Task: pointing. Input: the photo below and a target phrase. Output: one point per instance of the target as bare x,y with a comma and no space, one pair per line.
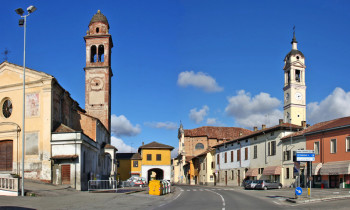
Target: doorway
6,151
333,181
239,178
225,178
65,174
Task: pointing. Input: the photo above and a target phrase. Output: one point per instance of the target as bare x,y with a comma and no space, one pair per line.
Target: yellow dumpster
155,187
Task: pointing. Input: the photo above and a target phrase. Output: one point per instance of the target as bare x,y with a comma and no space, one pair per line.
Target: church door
6,148
65,174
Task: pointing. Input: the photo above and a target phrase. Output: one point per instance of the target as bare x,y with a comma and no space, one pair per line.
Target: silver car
267,184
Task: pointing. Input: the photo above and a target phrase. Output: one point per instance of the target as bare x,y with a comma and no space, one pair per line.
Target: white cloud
198,116
251,111
199,80
121,146
174,153
336,105
164,125
214,121
121,126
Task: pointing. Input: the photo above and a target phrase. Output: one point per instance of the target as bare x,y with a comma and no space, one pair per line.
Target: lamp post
23,22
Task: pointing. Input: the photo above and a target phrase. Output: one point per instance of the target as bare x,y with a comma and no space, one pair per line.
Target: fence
9,186
102,185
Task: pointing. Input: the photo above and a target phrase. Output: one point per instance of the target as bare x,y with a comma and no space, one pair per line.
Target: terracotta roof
285,126
99,17
108,146
188,158
63,157
64,129
156,145
339,122
136,156
227,133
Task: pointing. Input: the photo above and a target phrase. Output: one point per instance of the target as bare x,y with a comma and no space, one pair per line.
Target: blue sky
190,61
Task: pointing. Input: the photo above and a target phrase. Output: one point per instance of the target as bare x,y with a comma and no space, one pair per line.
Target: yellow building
129,164
156,161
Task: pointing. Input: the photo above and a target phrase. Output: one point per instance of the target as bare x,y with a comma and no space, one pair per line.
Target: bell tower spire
98,70
294,85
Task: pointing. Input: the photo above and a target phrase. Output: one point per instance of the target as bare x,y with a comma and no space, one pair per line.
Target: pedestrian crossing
205,189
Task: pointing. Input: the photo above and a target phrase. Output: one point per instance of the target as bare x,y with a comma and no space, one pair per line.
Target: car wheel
265,188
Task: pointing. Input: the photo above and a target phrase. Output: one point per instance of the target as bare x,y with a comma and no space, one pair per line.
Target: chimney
143,143
255,128
303,124
280,121
263,127
240,133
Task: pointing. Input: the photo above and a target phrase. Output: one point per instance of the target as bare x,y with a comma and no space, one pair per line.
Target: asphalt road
203,198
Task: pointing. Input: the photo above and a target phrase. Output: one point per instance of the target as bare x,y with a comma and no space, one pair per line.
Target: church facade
64,144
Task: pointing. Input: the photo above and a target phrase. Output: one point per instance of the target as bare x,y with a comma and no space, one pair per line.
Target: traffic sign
298,191
305,156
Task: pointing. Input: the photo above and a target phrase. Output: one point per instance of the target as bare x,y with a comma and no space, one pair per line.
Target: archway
155,174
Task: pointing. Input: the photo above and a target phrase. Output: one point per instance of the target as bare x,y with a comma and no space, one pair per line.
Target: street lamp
23,22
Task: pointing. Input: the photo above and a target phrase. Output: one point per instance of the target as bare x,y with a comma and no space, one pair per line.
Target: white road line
222,198
276,203
172,199
181,189
194,190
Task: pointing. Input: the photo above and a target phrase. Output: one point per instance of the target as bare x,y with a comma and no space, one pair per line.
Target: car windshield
259,181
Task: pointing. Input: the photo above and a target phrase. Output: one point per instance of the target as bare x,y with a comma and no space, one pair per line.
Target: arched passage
155,174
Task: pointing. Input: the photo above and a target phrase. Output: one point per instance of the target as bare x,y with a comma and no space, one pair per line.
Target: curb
317,199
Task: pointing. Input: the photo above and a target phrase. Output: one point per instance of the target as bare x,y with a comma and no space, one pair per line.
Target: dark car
246,183
251,185
267,184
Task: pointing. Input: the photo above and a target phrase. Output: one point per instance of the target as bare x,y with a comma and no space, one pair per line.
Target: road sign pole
309,178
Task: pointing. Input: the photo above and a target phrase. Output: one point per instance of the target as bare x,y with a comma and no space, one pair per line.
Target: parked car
246,183
136,181
251,185
267,184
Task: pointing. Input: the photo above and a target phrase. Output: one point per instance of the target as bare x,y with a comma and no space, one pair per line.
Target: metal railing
9,184
102,185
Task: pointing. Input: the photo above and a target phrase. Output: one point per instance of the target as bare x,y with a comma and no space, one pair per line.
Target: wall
124,169
165,157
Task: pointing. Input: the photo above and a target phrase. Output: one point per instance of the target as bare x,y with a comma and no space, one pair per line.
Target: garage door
6,155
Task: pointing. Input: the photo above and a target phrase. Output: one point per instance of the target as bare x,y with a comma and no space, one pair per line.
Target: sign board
305,151
298,191
305,156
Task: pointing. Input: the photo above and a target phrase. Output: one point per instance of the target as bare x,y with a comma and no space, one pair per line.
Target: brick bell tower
98,70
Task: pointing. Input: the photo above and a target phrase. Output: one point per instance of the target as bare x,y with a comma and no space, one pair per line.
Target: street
198,197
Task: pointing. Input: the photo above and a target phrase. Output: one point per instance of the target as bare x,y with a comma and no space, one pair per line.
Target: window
333,146
286,155
272,148
211,178
225,157
93,54
232,177
225,146
7,108
239,155
297,75
288,76
149,156
231,156
159,157
101,53
135,163
317,147
203,165
287,173
261,170
272,133
347,142
212,165
218,159
199,146
255,151
246,153
255,137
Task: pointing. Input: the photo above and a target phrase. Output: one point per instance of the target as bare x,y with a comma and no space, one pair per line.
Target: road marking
172,199
194,190
181,189
276,203
222,198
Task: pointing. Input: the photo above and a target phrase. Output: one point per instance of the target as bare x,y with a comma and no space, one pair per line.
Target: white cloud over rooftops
121,126
198,116
199,80
162,125
122,146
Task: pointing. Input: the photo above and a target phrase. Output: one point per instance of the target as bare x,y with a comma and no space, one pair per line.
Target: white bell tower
294,85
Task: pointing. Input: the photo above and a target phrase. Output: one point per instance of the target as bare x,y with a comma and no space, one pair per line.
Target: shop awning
64,157
272,170
252,172
335,168
316,168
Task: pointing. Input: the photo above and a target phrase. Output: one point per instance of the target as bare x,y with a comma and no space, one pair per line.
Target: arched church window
101,53
199,146
97,29
93,55
7,108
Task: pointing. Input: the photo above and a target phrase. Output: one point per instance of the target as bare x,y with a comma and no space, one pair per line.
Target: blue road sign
305,156
298,191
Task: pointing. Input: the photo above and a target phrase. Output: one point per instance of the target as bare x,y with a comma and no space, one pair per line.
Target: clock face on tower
298,96
96,83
